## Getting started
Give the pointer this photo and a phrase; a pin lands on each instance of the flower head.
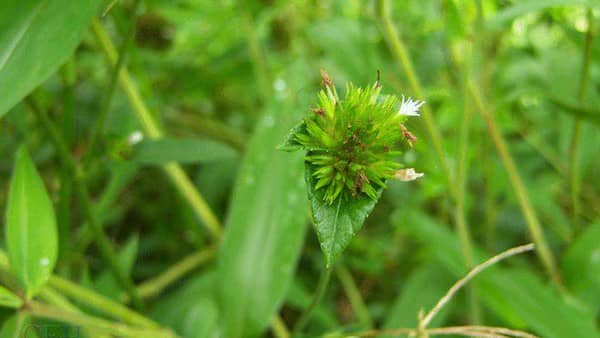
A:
(410, 107)
(353, 142)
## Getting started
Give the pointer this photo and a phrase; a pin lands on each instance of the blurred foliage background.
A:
(509, 146)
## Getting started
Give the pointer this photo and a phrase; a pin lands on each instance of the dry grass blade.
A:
(504, 332)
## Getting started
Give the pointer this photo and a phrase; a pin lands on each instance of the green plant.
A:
(352, 145)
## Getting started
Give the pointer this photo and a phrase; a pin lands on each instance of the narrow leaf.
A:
(338, 222)
(264, 232)
(31, 237)
(9, 299)
(581, 266)
(191, 310)
(578, 111)
(163, 151)
(36, 37)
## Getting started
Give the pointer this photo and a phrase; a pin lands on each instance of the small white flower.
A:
(135, 137)
(410, 107)
(408, 174)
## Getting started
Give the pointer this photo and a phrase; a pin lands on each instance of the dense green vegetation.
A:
(145, 191)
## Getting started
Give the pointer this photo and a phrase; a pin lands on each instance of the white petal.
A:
(410, 107)
(408, 174)
(135, 137)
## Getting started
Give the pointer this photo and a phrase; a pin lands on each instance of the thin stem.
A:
(574, 167)
(181, 181)
(533, 224)
(319, 293)
(354, 296)
(469, 331)
(54, 298)
(157, 284)
(100, 303)
(104, 244)
(110, 89)
(456, 187)
(474, 272)
(85, 296)
(488, 329)
(460, 181)
(401, 53)
(41, 310)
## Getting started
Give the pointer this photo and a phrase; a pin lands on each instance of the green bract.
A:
(352, 143)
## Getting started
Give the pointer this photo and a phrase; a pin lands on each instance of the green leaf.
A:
(338, 222)
(517, 296)
(9, 299)
(264, 231)
(163, 151)
(191, 310)
(31, 237)
(290, 143)
(36, 37)
(581, 266)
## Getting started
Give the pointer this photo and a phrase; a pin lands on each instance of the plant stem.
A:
(535, 229)
(319, 293)
(100, 303)
(401, 54)
(152, 130)
(54, 298)
(41, 310)
(356, 300)
(110, 89)
(104, 244)
(574, 168)
(456, 185)
(157, 284)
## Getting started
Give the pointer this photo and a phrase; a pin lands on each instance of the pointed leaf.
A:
(338, 222)
(290, 143)
(36, 37)
(9, 299)
(31, 237)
